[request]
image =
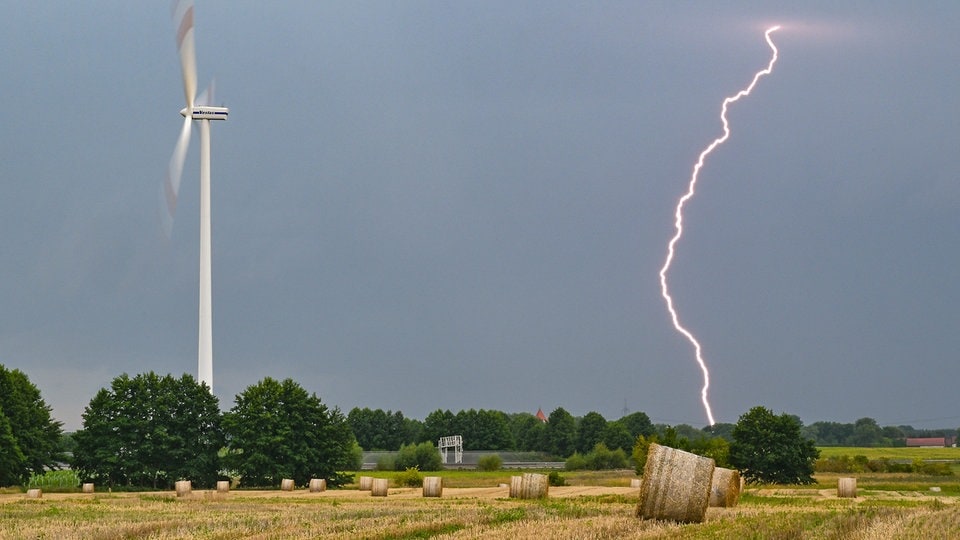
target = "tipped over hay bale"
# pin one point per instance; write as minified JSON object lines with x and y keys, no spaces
{"x":317,"y":485}
{"x":286,"y":484}
{"x":534,"y":486}
{"x":725,"y":488}
{"x":366,"y":483}
{"x":34,"y":493}
{"x":675,"y":486}
{"x":223,"y":486}
{"x":87,"y":487}
{"x":515,"y":482}
{"x":432,"y":486}
{"x":847,"y":487}
{"x":379,"y":487}
{"x":183,"y":488}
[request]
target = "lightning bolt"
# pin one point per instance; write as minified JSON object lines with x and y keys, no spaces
{"x":679,"y":221}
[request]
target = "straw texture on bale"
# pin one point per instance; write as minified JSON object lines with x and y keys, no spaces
{"x":847,"y":487}
{"x":317,"y":485}
{"x":534,"y":486}
{"x":286,"y":484}
{"x":634,"y":482}
{"x":183,"y":488}
{"x":87,"y":488}
{"x":34,"y":493}
{"x":515,"y":482}
{"x":366,"y":483}
{"x":675,"y":486}
{"x":725,"y":488}
{"x":379,"y":488}
{"x":223,"y":486}
{"x":432,"y":486}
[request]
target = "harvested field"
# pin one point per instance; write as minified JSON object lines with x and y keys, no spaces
{"x":474,"y":512}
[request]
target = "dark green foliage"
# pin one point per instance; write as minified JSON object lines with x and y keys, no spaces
{"x":29,"y":437}
{"x":150,"y":431}
{"x":599,"y":459}
{"x":640,"y":450}
{"x":590,"y":431}
{"x":483,"y":430}
{"x":576,"y":462}
{"x":618,"y":436}
{"x":637,"y":424}
{"x":423,"y":456}
{"x":409,"y":478}
{"x":770,"y":449}
{"x":277,"y":430}
{"x":489,"y":462}
{"x":716,"y":448}
{"x":555,"y":479}
{"x":842,"y":464}
{"x":529,"y":433}
{"x":561,"y":432}
{"x":379,"y":430}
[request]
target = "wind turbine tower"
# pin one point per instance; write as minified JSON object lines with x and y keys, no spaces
{"x":197,"y":109}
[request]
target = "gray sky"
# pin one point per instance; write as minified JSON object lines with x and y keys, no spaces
{"x":422,"y":205}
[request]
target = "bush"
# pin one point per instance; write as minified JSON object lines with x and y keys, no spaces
{"x":576,"y":462}
{"x":386,"y":463}
{"x":554,"y":479}
{"x":424,"y":456}
{"x":489,"y":462}
{"x":410,"y":478}
{"x":602,"y":458}
{"x":843,"y":464}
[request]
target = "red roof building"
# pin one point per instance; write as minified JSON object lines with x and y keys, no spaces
{"x":941,"y":442}
{"x":540,"y":416}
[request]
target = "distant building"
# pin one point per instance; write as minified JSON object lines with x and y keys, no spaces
{"x":540,"y":416}
{"x":931,"y":441}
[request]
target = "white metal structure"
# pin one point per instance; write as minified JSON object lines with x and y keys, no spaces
{"x":196,"y":109}
{"x":455,"y":442}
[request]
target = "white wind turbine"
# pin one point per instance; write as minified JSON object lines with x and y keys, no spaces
{"x":197,"y":109}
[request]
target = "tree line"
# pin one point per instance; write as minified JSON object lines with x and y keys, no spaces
{"x":151,"y":430}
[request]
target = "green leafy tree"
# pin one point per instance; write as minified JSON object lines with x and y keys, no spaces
{"x":150,"y":431}
{"x":638,"y":423}
{"x":378,"y":429}
{"x":529,"y":432}
{"x":277,"y":430}
{"x":12,"y":461}
{"x":640,"y":450}
{"x":36,"y":436}
{"x":423,"y":456}
{"x":768,"y":448}
{"x":439,"y":424}
{"x":617,"y":436}
{"x":484,"y":430}
{"x":561,"y":432}
{"x":590,"y":431}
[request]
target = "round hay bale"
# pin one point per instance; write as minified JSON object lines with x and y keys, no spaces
{"x":935,"y":489}
{"x":379,"y":487}
{"x":725,"y":488}
{"x":317,"y":485}
{"x":432,"y":486}
{"x":366,"y":483}
{"x":87,"y":487}
{"x":35,"y":493}
{"x":223,"y":486}
{"x":534,"y":486}
{"x":183,"y":488}
{"x":847,"y":488}
{"x":634,"y":482}
{"x":286,"y":484}
{"x":515,"y":482}
{"x":675,"y":486}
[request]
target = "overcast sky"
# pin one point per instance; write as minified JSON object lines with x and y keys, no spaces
{"x":454,"y":205}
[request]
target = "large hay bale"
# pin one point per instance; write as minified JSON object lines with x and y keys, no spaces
{"x":432,"y":486}
{"x":366,"y":483}
{"x":35,"y":493}
{"x":725,"y":488}
{"x":634,"y":482}
{"x":379,"y":487}
{"x":87,"y":487}
{"x":223,"y":486}
{"x":515,"y":482}
{"x":534,"y":486}
{"x":286,"y":484}
{"x":675,"y":486}
{"x":183,"y":488}
{"x":317,"y":485}
{"x":847,"y":487}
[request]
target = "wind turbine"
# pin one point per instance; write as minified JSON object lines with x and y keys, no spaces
{"x":197,"y":109}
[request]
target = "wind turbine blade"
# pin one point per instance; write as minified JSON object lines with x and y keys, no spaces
{"x":171,"y":185}
{"x":183,"y":18}
{"x":206,"y":97}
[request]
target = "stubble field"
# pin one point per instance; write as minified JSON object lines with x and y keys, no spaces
{"x":897,"y":506}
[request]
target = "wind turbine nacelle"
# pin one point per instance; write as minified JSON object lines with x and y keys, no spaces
{"x":206,"y":113}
